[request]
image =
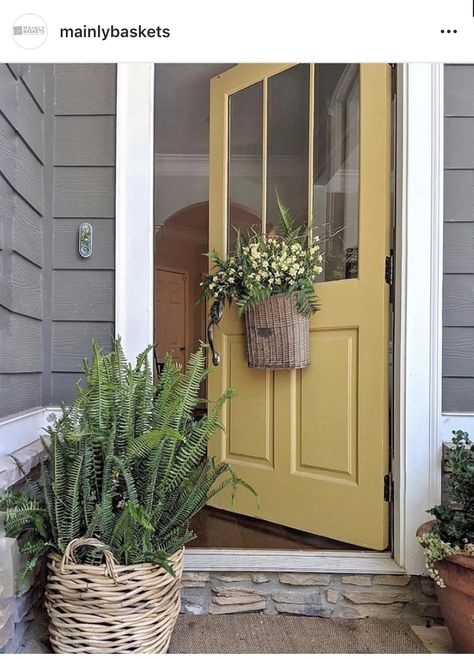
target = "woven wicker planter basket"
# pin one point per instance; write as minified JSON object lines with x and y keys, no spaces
{"x":110,"y":608}
{"x":277,"y":334}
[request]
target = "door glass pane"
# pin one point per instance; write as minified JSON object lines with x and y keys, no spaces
{"x":287,"y":165}
{"x":336,"y":167}
{"x":245,"y":161}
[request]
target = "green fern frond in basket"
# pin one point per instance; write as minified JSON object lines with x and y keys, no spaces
{"x":288,"y":227}
{"x":126,"y":463}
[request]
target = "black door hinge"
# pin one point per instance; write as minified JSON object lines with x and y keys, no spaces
{"x":389,"y":268}
{"x":394,"y":80}
{"x":388,"y":488}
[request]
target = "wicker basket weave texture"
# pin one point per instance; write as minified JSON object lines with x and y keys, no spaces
{"x":277,"y":334}
{"x":111,"y":608}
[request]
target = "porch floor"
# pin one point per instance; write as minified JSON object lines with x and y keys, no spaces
{"x":221,"y":529}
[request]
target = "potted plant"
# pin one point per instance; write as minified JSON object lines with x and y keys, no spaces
{"x":127,"y":469}
{"x":448,"y":543}
{"x":271,"y":280}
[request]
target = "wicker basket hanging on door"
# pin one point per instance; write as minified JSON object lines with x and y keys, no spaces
{"x":277,"y":334}
{"x":111,"y":608}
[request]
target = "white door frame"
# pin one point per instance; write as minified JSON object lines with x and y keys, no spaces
{"x":417,"y":341}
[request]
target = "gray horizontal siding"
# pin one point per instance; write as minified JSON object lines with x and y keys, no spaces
{"x":15,"y":69}
{"x":64,"y":386}
{"x":23,"y":224}
{"x":84,"y":192}
{"x":72,"y":342}
{"x":458,"y":285}
{"x":33,"y":76}
{"x":458,"y":394}
{"x":22,"y":221}
{"x":83,"y":301}
{"x":85,"y":140}
{"x":459,"y":142}
{"x":458,"y":302}
{"x":20,"y":167}
{"x":459,"y":195}
{"x":66,"y":257}
{"x":459,"y":247}
{"x":83,"y":89}
{"x":57,"y":169}
{"x":27,"y":232}
{"x":22,"y":291}
{"x":83,"y":295}
{"x":459,"y":90}
{"x":29,"y":122}
{"x":19,"y":392}
{"x":458,"y":352}
{"x":22,"y":343}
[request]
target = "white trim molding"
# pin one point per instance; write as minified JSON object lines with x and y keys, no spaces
{"x":418,"y":347}
{"x":263,"y":560}
{"x":134,"y":207}
{"x":456,"y":421}
{"x":19,"y":430}
{"x":245,"y":166}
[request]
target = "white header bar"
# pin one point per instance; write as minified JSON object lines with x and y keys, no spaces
{"x":241,"y":31}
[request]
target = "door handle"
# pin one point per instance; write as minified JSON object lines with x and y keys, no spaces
{"x":216,"y":358}
{"x":216,"y":315}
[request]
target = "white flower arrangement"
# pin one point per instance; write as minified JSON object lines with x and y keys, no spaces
{"x":262,"y":266}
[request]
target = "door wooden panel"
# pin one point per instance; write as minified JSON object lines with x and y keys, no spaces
{"x":249,"y":444}
{"x":327,"y":407}
{"x":314,"y":443}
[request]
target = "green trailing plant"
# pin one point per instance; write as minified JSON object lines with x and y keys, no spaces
{"x":126,"y":463}
{"x":261,"y":266}
{"x":453,"y":532}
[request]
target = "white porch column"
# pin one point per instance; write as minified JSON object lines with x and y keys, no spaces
{"x":418,"y":348}
{"x":134,"y":207}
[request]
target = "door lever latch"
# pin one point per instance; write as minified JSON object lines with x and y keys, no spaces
{"x":216,"y":358}
{"x":215,"y":318}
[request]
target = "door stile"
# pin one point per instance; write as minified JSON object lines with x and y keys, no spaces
{"x":264,"y":154}
{"x":312,"y":73}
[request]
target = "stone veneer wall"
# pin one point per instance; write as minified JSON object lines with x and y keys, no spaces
{"x":309,"y":594}
{"x":15,"y":607}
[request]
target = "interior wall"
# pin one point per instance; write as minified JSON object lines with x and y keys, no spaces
{"x":182,"y":99}
{"x":182,"y":244}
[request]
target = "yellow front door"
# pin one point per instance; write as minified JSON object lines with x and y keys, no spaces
{"x":312,"y":442}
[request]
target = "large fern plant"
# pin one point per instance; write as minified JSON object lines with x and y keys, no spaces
{"x":126,"y":463}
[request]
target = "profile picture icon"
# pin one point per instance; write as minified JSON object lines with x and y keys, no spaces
{"x":29,"y":31}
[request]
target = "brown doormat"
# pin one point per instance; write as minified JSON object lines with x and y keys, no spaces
{"x":278,"y":634}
